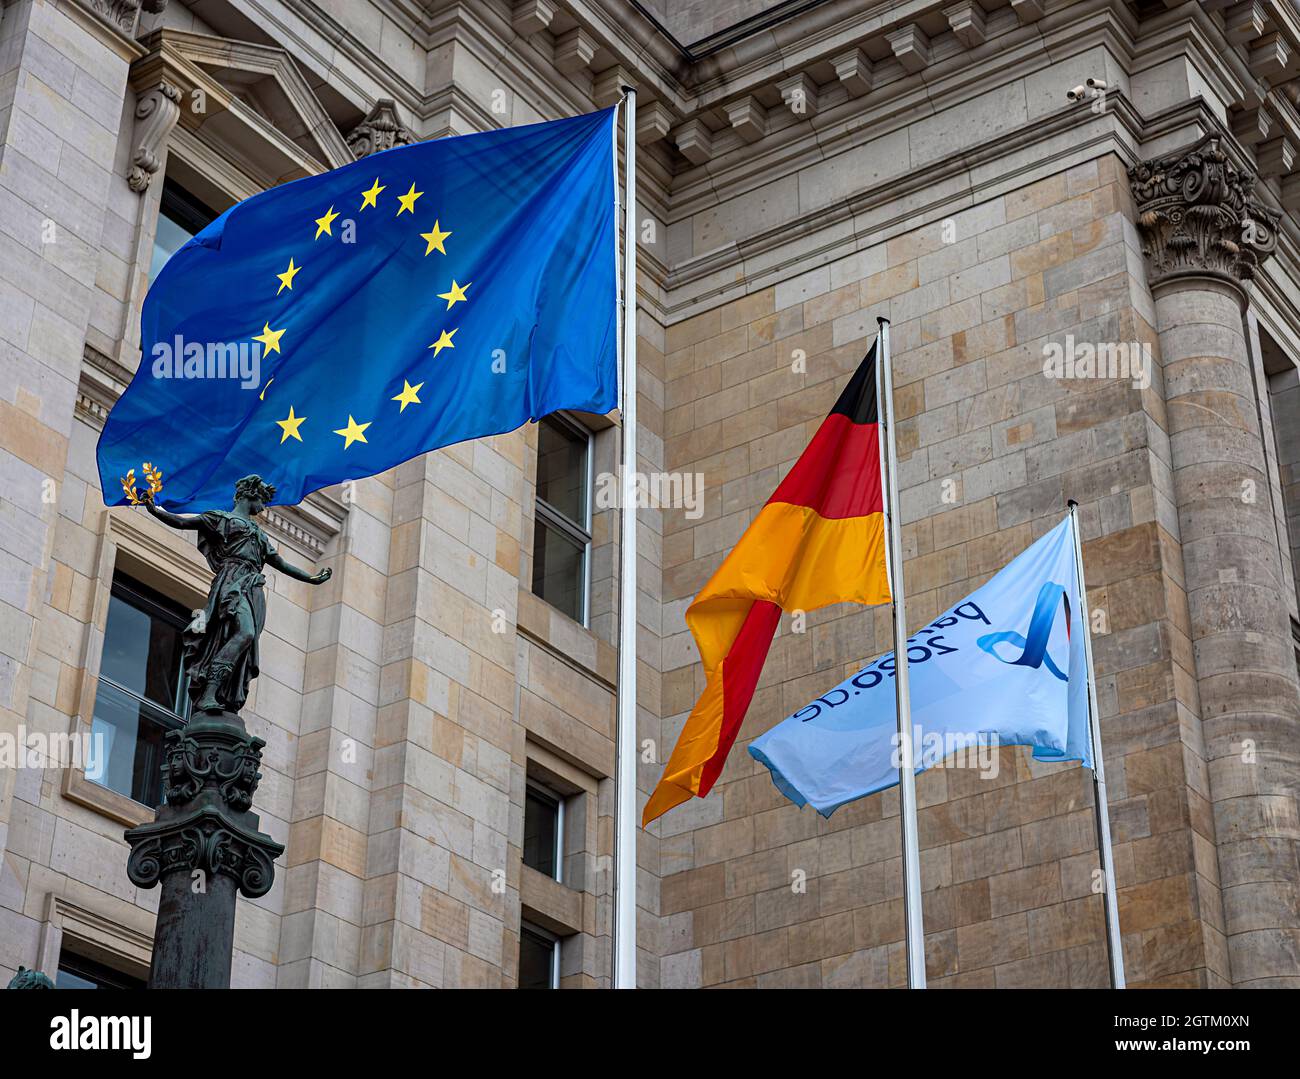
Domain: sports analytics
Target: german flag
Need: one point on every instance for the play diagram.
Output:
(819, 540)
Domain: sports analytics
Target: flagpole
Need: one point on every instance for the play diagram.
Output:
(906, 753)
(1114, 942)
(625, 778)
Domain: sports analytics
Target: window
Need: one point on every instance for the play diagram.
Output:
(543, 830)
(181, 217)
(142, 691)
(539, 958)
(562, 540)
(77, 972)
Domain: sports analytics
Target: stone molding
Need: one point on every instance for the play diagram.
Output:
(1198, 215)
(96, 935)
(212, 110)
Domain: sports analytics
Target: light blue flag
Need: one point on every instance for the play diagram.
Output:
(1005, 666)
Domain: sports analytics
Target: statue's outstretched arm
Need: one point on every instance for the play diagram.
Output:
(175, 520)
(289, 569)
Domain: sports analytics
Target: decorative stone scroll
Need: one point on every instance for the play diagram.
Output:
(156, 113)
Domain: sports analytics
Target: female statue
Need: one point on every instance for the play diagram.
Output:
(221, 643)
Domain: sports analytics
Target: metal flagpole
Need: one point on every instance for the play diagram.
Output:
(906, 754)
(1114, 942)
(625, 810)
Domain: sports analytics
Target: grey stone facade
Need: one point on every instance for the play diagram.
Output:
(804, 169)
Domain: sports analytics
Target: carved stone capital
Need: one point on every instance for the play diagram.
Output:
(124, 14)
(380, 130)
(156, 113)
(1198, 216)
(205, 822)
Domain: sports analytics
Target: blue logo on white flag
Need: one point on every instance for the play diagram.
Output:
(1034, 647)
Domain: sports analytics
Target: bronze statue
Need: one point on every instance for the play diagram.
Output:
(221, 643)
(29, 979)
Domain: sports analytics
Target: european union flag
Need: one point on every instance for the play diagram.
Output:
(338, 325)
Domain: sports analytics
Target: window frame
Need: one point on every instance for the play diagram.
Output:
(103, 974)
(183, 208)
(555, 941)
(579, 532)
(547, 794)
(141, 597)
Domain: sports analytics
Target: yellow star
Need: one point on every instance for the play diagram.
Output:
(262, 396)
(456, 295)
(270, 339)
(286, 278)
(435, 239)
(323, 223)
(408, 201)
(290, 426)
(368, 197)
(353, 432)
(443, 342)
(407, 396)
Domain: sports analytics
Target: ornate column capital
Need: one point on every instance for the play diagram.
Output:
(1198, 216)
(205, 822)
(380, 130)
(124, 14)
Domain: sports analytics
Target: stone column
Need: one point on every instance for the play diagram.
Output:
(1204, 234)
(204, 846)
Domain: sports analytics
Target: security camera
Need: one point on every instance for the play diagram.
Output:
(1097, 84)
(1076, 94)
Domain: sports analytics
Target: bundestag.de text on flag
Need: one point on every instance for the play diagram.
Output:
(423, 296)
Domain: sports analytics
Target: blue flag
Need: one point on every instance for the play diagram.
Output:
(1005, 666)
(333, 327)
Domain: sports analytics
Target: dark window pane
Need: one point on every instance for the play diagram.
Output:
(180, 218)
(536, 955)
(143, 645)
(562, 470)
(65, 979)
(559, 569)
(78, 973)
(541, 827)
(127, 744)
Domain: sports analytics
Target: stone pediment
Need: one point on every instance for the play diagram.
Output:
(250, 100)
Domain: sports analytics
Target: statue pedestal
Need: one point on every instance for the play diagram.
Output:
(203, 846)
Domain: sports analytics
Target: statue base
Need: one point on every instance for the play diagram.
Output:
(204, 846)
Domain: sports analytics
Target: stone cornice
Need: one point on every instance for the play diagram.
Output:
(385, 80)
(877, 213)
(838, 126)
